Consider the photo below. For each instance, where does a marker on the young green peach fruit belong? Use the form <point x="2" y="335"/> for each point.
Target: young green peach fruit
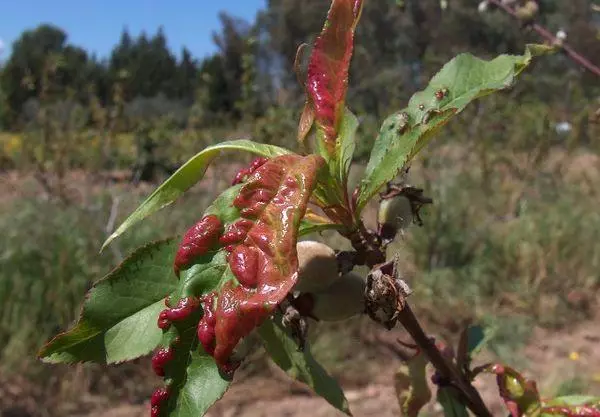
<point x="394" y="214"/>
<point x="342" y="300"/>
<point x="317" y="266"/>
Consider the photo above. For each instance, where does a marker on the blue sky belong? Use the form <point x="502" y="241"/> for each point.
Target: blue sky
<point x="96" y="25"/>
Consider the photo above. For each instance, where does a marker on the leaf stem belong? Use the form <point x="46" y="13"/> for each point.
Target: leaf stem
<point x="547" y="35"/>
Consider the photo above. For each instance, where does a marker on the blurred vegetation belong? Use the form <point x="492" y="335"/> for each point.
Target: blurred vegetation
<point x="511" y="240"/>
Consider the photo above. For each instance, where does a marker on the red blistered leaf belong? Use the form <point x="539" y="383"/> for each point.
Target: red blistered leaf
<point x="573" y="411"/>
<point x="264" y="259"/>
<point x="197" y="241"/>
<point x="245" y="172"/>
<point x="327" y="75"/>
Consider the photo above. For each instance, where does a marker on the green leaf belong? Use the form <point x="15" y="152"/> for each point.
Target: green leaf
<point x="448" y="399"/>
<point x="411" y="386"/>
<point x="340" y="161"/>
<point x="331" y="193"/>
<point x="472" y="340"/>
<point x="475" y="339"/>
<point x="194" y="379"/>
<point x="316" y="224"/>
<point x="345" y="145"/>
<point x="203" y="386"/>
<point x="283" y="350"/>
<point x="189" y="174"/>
<point x="462" y="80"/>
<point x="118" y="318"/>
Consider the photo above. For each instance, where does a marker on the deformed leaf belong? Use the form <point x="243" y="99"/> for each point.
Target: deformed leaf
<point x="462" y="80"/>
<point x="193" y="380"/>
<point x="234" y="270"/>
<point x="411" y="386"/>
<point x="189" y="174"/>
<point x="240" y="260"/>
<point x="327" y="75"/>
<point x="574" y="400"/>
<point x="118" y="317"/>
<point x="262" y="246"/>
<point x="572" y="406"/>
<point x="300" y="365"/>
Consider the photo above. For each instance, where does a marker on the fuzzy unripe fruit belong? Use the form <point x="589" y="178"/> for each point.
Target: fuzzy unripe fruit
<point x="394" y="214"/>
<point x="342" y="300"/>
<point x="317" y="266"/>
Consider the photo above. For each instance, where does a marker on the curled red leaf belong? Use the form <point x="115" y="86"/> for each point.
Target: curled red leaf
<point x="245" y="172"/>
<point x="327" y="75"/>
<point x="262" y="251"/>
<point x="573" y="411"/>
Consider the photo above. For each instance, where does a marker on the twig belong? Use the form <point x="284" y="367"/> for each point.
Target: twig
<point x="448" y="370"/>
<point x="547" y="35"/>
<point x="363" y="244"/>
